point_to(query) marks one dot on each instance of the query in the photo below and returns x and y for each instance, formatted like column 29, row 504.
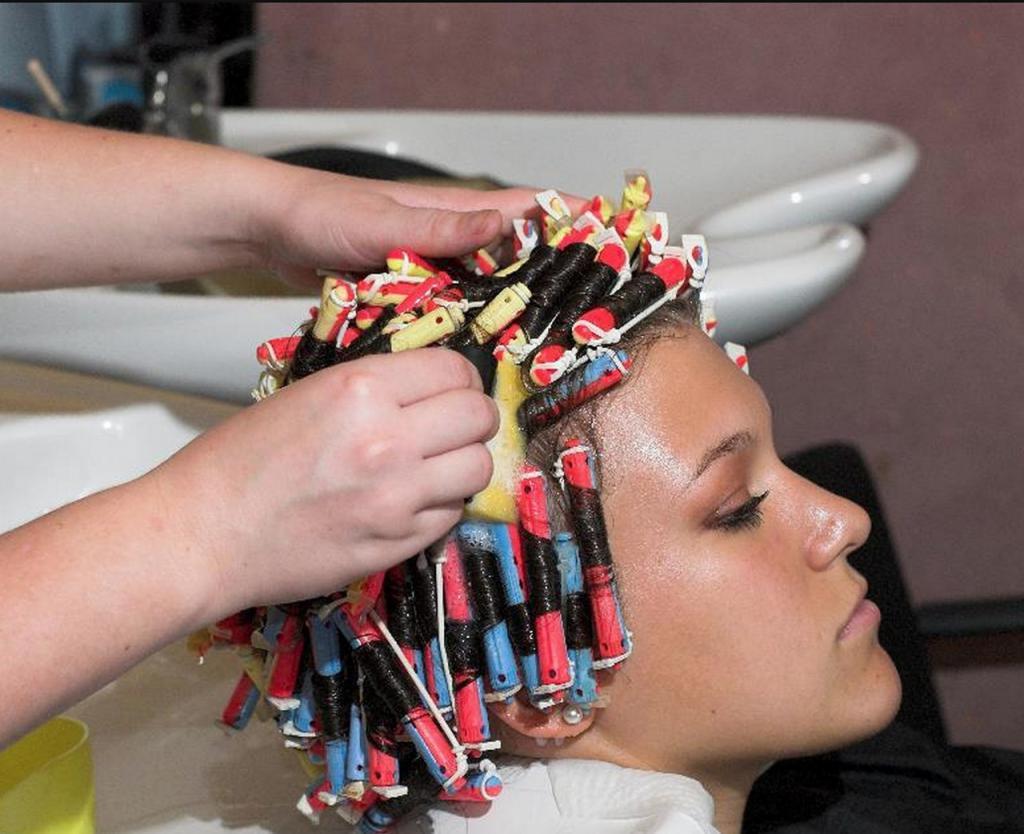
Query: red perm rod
column 383, row 289
column 545, row 597
column 449, row 295
column 575, row 254
column 484, row 785
column 573, row 389
column 381, row 745
column 424, row 293
column 317, row 348
column 613, row 644
column 555, row 355
column 464, row 651
column 235, row 630
column 407, row 262
column 364, row 594
column 348, row 337
column 241, row 704
column 284, row 668
column 382, row 671
column 275, row 354
column 604, row 323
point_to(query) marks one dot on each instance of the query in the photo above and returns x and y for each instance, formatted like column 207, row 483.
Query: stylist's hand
column 329, row 220
column 340, row 475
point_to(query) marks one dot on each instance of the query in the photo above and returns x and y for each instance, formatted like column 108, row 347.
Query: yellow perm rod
column 428, row 329
column 504, row 308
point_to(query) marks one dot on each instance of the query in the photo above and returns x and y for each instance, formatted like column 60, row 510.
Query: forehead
column 685, row 396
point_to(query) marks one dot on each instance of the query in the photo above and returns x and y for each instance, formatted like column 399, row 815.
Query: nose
column 835, row 527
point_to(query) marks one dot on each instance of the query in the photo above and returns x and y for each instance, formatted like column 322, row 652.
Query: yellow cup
column 46, row 782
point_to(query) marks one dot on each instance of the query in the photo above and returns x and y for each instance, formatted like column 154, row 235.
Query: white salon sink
column 719, row 175
column 779, row 199
column 762, row 285
column 206, row 345
column 64, row 436
column 51, row 460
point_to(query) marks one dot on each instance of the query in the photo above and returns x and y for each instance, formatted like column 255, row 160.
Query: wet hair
column 384, row 685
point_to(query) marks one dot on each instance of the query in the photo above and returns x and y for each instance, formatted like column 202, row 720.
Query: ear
column 531, row 722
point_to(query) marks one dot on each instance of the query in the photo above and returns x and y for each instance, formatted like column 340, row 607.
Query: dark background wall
column 917, row 360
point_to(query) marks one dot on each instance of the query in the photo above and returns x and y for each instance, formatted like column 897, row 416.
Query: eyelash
column 747, row 517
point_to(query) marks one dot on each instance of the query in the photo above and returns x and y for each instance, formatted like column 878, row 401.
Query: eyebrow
column 733, row 443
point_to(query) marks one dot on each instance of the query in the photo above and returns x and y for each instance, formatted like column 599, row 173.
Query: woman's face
column 737, row 620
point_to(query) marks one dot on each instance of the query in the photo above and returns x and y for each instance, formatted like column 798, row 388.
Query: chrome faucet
column 183, row 91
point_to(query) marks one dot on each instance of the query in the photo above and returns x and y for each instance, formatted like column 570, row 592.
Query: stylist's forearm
column 81, row 206
column 88, row 591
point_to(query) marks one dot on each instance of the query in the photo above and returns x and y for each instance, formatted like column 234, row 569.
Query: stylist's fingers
column 511, row 202
column 456, row 475
column 434, row 522
column 347, row 223
column 437, row 231
column 407, row 377
column 342, row 223
column 451, row 420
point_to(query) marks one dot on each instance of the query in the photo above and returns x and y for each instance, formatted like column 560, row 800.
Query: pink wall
column 918, row 359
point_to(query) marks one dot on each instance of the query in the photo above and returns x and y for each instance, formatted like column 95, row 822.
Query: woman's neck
column 730, row 803
column 730, row 788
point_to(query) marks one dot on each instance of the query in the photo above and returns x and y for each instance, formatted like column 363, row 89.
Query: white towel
column 573, row 796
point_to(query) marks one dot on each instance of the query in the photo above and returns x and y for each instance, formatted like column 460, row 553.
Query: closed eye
column 746, row 517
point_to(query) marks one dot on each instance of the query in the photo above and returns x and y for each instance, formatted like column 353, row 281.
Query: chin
column 875, row 704
column 865, row 709
column 888, row 692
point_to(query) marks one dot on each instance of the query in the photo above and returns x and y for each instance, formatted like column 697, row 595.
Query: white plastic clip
column 527, row 236
column 696, row 249
column 553, row 205
column 738, row 354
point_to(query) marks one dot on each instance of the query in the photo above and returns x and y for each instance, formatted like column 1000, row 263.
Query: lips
column 860, row 598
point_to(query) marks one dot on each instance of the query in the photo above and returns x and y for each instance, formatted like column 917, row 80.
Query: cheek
column 731, row 611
